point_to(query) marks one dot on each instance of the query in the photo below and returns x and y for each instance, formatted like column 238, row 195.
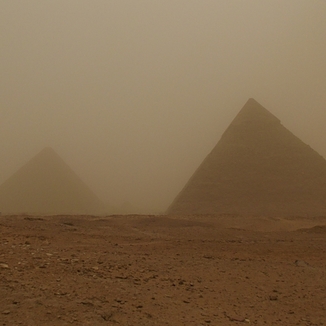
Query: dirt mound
column 167, row 222
column 320, row 229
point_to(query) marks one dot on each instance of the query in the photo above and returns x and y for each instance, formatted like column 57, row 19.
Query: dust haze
column 134, row 94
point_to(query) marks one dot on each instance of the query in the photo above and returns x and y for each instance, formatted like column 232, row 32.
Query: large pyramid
column 257, row 168
column 47, row 185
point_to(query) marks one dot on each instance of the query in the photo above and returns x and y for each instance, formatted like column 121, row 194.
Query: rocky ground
column 145, row 270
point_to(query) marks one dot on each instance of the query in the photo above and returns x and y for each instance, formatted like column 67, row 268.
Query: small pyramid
column 47, row 185
column 257, row 168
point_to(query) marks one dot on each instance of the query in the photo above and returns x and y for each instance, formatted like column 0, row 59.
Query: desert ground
column 159, row 270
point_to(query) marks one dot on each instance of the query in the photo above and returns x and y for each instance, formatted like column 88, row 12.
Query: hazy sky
column 133, row 94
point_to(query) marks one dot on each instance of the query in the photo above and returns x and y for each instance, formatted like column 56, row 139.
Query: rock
column 107, row 316
column 6, row 312
column 301, row 263
column 4, row 266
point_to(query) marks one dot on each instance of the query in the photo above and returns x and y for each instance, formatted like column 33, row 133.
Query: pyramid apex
column 252, row 102
column 253, row 111
column 47, row 152
column 48, row 149
column 251, row 99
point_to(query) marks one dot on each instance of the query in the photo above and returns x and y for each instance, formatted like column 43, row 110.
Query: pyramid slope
column 47, row 185
column 258, row 168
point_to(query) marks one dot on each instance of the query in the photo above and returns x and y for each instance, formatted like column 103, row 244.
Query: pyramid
column 47, row 185
column 257, row 168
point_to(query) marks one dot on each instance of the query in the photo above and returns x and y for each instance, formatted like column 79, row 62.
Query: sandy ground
column 145, row 270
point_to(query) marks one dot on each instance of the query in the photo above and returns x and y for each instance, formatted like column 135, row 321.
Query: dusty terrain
column 145, row 270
